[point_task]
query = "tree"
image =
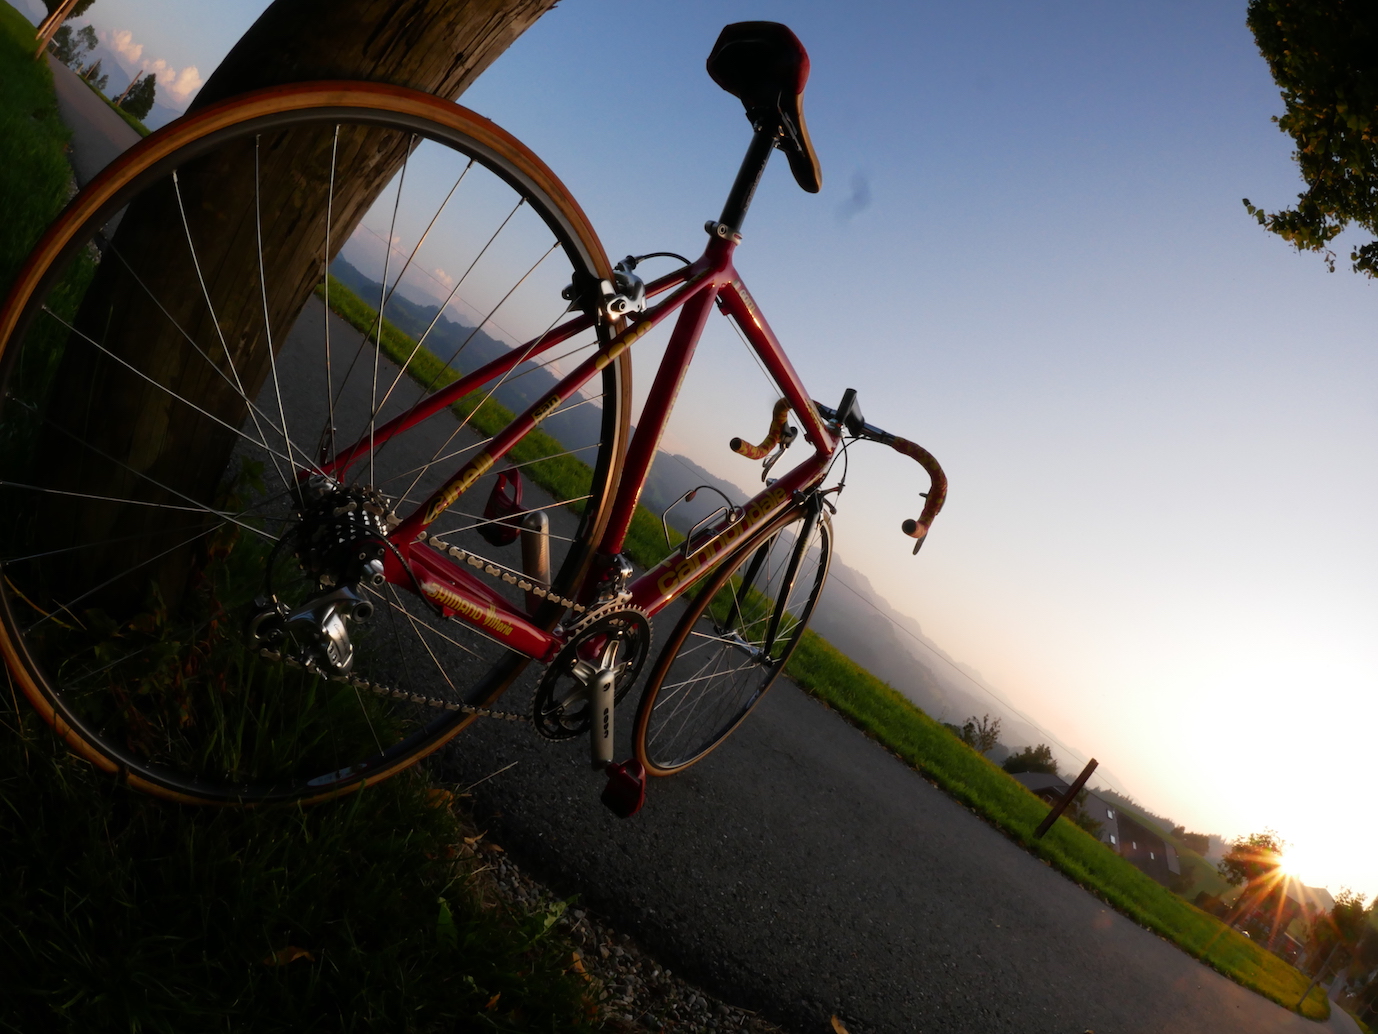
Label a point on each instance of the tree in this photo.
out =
(437, 46)
(92, 74)
(1032, 759)
(138, 99)
(1254, 861)
(982, 734)
(1080, 814)
(59, 11)
(80, 8)
(1198, 842)
(70, 47)
(1323, 54)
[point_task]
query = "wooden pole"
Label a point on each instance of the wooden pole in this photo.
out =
(48, 27)
(1067, 799)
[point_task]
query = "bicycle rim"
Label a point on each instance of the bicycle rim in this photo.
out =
(171, 374)
(732, 644)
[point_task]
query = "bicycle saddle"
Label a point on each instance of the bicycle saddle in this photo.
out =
(764, 65)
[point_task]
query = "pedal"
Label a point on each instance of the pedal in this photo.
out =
(626, 790)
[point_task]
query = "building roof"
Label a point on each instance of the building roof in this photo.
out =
(1039, 782)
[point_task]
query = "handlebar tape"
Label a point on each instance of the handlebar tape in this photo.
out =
(937, 492)
(777, 427)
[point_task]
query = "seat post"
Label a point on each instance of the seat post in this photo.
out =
(748, 176)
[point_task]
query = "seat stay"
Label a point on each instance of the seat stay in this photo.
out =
(444, 397)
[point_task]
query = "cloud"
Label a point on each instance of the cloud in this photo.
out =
(175, 86)
(444, 277)
(122, 42)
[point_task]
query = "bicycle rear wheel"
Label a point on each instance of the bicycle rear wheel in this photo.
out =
(174, 382)
(732, 644)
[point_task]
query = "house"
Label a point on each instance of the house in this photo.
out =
(1053, 788)
(1137, 843)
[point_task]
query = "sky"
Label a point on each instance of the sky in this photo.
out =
(1030, 255)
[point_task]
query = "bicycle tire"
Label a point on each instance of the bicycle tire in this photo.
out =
(757, 605)
(140, 673)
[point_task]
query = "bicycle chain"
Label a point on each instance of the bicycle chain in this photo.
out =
(394, 694)
(487, 567)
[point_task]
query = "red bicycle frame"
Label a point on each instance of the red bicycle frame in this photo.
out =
(693, 292)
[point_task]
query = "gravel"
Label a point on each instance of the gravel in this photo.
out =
(634, 991)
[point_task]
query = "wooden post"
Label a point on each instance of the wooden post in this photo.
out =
(1067, 799)
(48, 27)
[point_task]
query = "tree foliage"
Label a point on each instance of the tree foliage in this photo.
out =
(71, 47)
(1252, 859)
(82, 6)
(1032, 759)
(138, 99)
(92, 74)
(981, 734)
(1324, 56)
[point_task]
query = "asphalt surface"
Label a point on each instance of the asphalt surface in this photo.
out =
(802, 871)
(99, 135)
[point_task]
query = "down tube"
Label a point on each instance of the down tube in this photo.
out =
(657, 588)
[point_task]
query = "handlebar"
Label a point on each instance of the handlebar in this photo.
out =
(777, 430)
(937, 490)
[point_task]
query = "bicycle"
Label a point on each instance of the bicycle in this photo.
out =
(228, 578)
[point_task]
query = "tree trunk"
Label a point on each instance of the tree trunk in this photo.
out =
(439, 46)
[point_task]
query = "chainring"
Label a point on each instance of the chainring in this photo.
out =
(561, 709)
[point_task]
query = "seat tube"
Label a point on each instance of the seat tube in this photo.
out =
(655, 415)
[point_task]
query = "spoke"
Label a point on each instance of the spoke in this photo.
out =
(382, 304)
(453, 642)
(416, 628)
(253, 406)
(215, 320)
(267, 322)
(164, 388)
(122, 574)
(166, 488)
(329, 215)
(429, 227)
(465, 422)
(100, 543)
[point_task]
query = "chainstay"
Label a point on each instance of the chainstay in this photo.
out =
(480, 563)
(508, 575)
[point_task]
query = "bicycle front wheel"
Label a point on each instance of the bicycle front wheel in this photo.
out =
(240, 300)
(732, 644)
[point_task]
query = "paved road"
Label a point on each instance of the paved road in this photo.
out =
(98, 134)
(803, 871)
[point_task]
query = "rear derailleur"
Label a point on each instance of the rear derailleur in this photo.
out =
(339, 540)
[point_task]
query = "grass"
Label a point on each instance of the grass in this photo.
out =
(134, 123)
(120, 912)
(891, 719)
(34, 176)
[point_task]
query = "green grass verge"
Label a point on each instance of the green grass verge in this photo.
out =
(887, 716)
(34, 175)
(134, 123)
